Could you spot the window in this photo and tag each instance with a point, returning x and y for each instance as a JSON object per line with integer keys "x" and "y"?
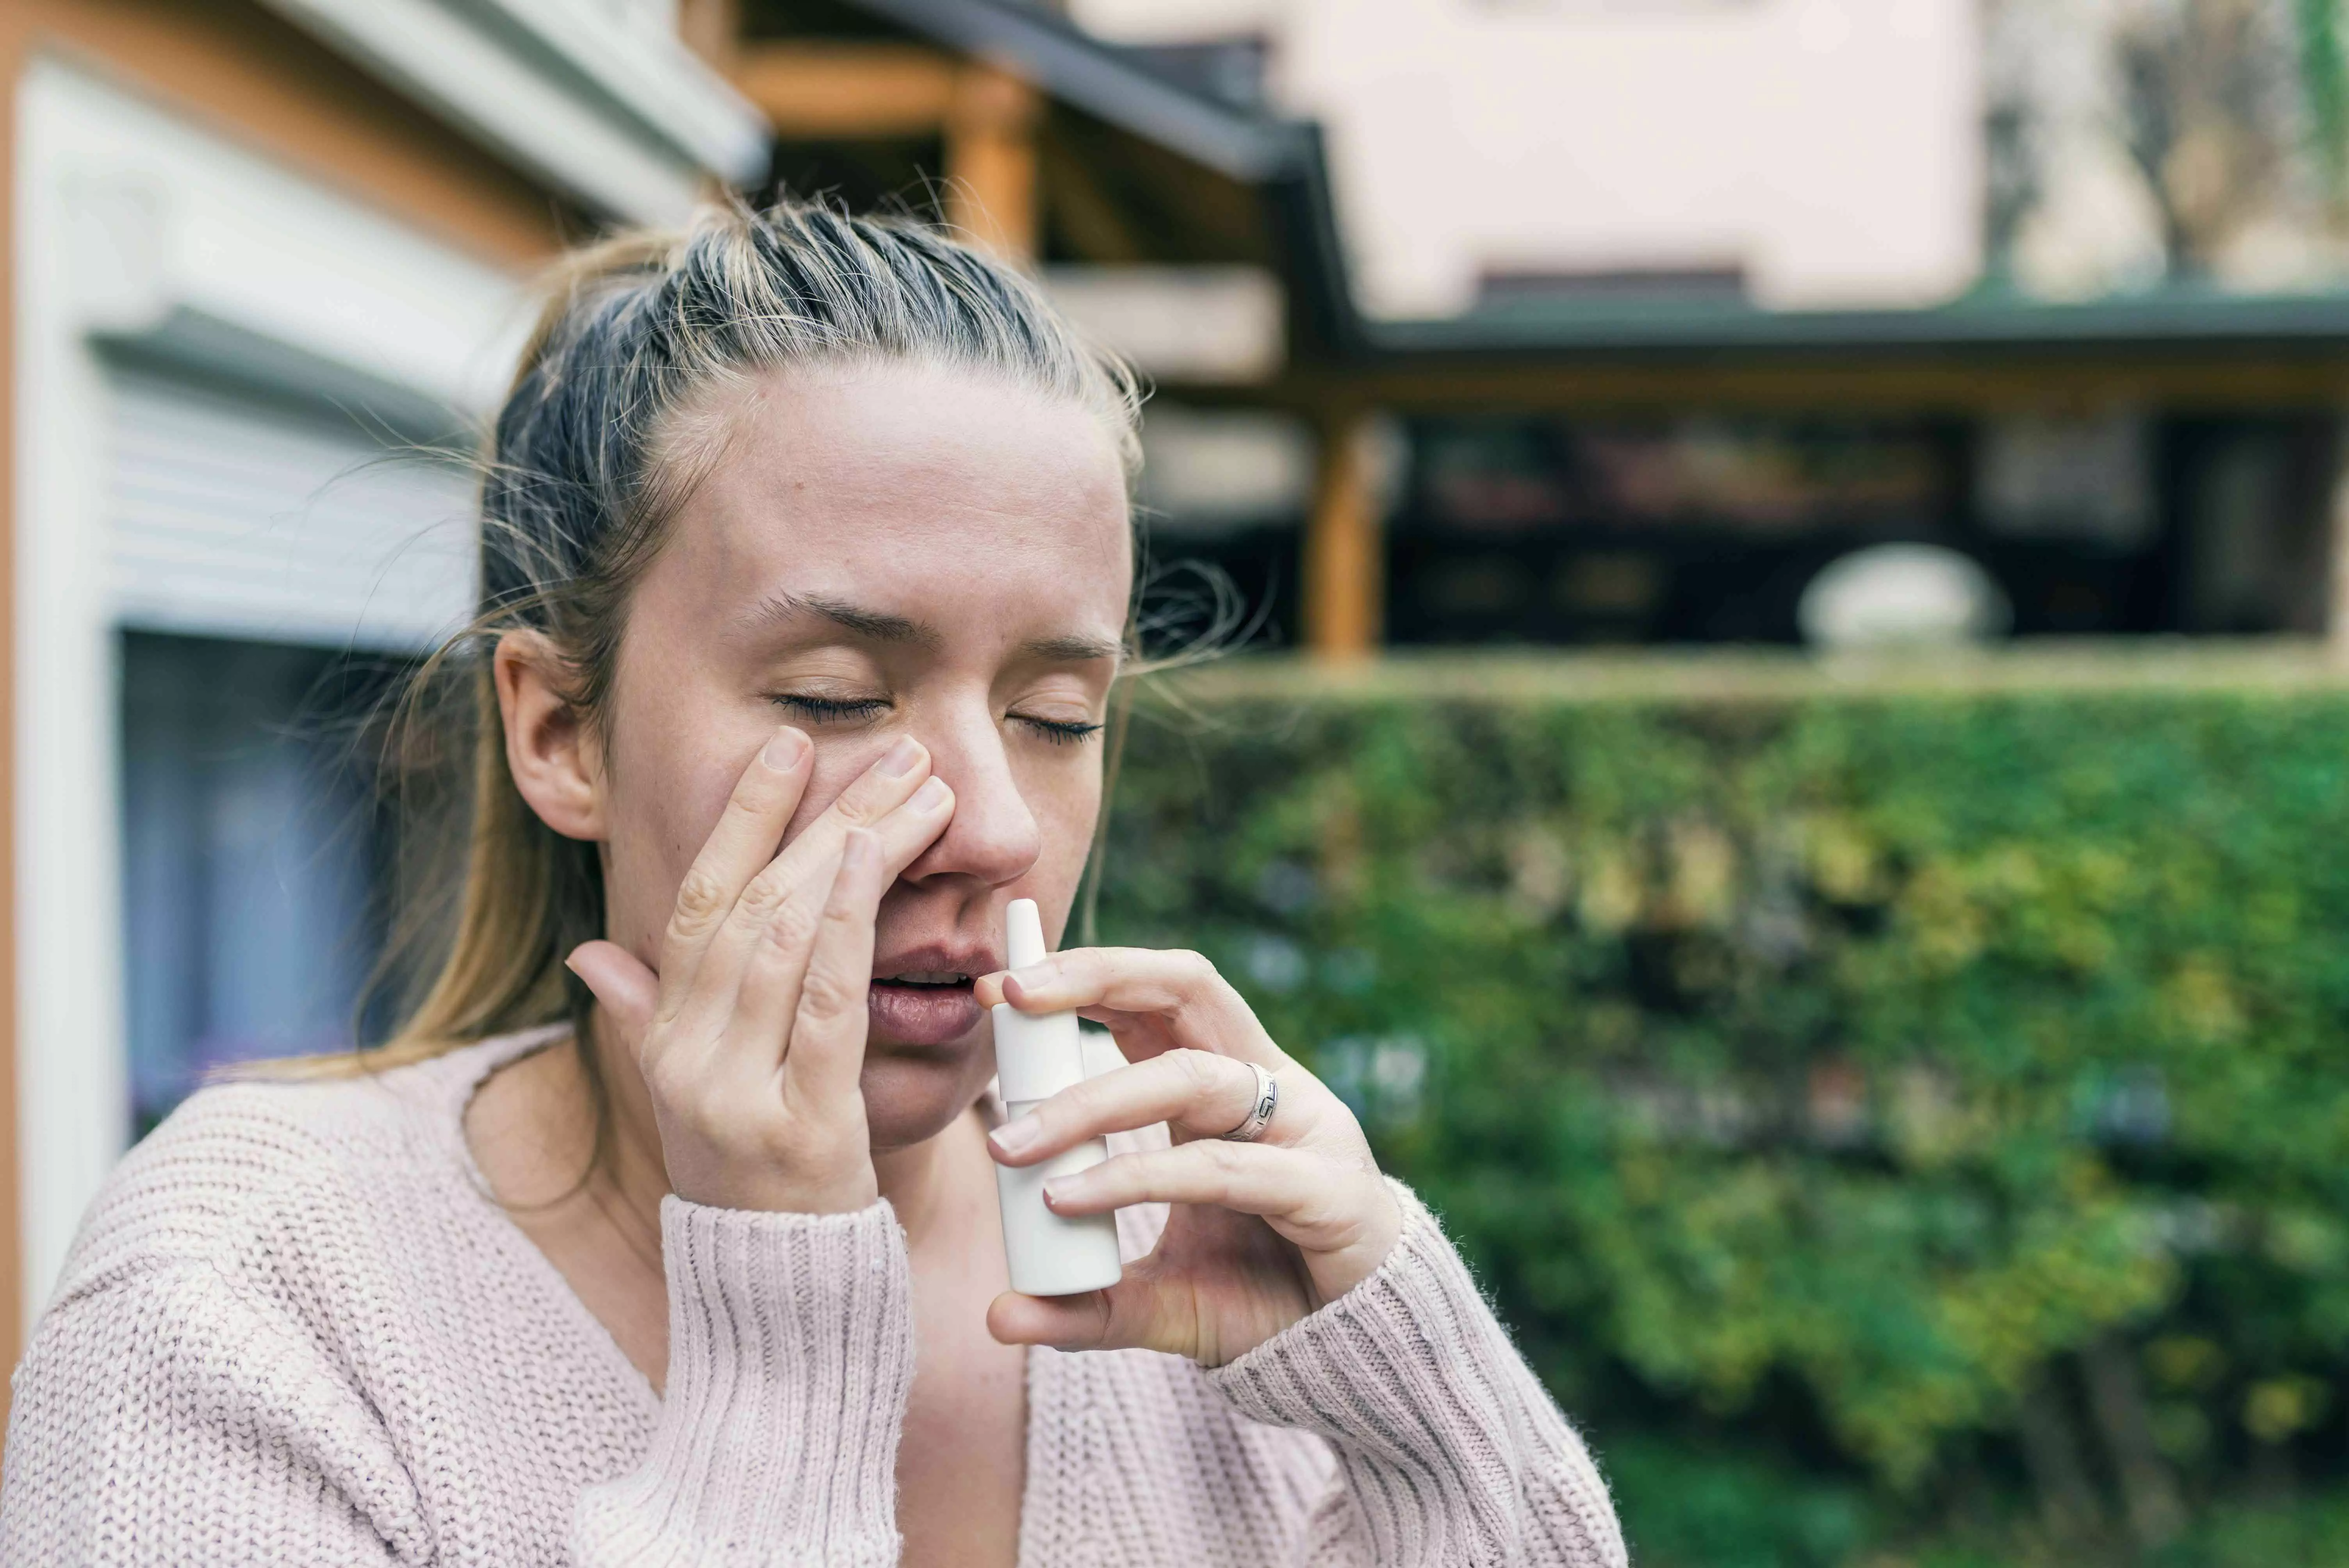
{"x": 250, "y": 855}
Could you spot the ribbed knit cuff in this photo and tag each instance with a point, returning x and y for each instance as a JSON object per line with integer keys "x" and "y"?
{"x": 1375, "y": 1365}
{"x": 791, "y": 1351}
{"x": 1451, "y": 1446}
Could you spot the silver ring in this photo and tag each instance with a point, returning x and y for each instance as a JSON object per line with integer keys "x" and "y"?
{"x": 1268, "y": 1101}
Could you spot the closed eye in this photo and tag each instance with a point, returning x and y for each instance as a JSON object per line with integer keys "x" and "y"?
{"x": 1059, "y": 731}
{"x": 825, "y": 709}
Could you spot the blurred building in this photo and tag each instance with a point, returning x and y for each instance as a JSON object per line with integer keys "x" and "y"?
{"x": 1823, "y": 153}
{"x": 1550, "y": 322}
{"x": 1614, "y": 322}
{"x": 266, "y": 265}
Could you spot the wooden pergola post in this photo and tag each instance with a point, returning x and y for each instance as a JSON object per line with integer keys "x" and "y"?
{"x": 1345, "y": 557}
{"x": 711, "y": 28}
{"x": 990, "y": 160}
{"x": 987, "y": 116}
{"x": 2336, "y": 597}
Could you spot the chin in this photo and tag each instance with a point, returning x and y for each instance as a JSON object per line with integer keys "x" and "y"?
{"x": 912, "y": 1093}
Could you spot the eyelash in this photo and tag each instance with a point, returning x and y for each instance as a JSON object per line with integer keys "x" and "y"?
{"x": 823, "y": 709}
{"x": 1061, "y": 731}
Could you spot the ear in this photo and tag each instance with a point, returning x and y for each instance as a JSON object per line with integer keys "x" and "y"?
{"x": 550, "y": 750}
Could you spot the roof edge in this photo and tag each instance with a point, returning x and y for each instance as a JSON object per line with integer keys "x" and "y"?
{"x": 1088, "y": 74}
{"x": 631, "y": 127}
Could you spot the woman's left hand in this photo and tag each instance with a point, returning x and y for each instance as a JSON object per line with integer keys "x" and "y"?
{"x": 1258, "y": 1234}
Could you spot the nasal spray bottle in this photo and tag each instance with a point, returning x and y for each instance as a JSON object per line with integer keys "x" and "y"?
{"x": 1036, "y": 1057}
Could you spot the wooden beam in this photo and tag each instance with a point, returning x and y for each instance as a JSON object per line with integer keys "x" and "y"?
{"x": 712, "y": 29}
{"x": 818, "y": 90}
{"x": 1345, "y": 557}
{"x": 990, "y": 156}
{"x": 2036, "y": 382}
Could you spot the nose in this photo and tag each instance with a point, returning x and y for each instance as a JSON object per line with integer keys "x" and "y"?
{"x": 994, "y": 837}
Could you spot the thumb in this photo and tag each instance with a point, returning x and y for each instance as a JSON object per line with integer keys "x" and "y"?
{"x": 621, "y": 982}
{"x": 1062, "y": 1322}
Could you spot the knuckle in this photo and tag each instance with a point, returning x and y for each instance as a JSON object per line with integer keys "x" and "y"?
{"x": 827, "y": 994}
{"x": 1194, "y": 970}
{"x": 859, "y": 805}
{"x": 1195, "y": 981}
{"x": 1201, "y": 1072}
{"x": 763, "y": 898}
{"x": 841, "y": 902}
{"x": 789, "y": 927}
{"x": 1225, "y": 1159}
{"x": 700, "y": 902}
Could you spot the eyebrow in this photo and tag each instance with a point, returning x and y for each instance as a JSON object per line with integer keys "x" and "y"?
{"x": 1072, "y": 650}
{"x": 875, "y": 625}
{"x": 881, "y": 626}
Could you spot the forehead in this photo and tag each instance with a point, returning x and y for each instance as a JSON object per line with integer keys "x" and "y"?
{"x": 949, "y": 494}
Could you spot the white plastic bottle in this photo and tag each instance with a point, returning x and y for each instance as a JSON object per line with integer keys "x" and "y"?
{"x": 1036, "y": 1057}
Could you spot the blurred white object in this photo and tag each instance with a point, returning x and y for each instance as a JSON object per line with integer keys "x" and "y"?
{"x": 1179, "y": 324}
{"x": 1206, "y": 469}
{"x": 1902, "y": 596}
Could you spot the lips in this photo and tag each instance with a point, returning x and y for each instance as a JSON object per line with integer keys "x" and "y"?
{"x": 922, "y": 997}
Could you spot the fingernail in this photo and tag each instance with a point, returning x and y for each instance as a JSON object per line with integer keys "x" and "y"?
{"x": 931, "y": 795}
{"x": 862, "y": 848}
{"x": 1017, "y": 1136}
{"x": 1065, "y": 1189}
{"x": 901, "y": 757}
{"x": 784, "y": 752}
{"x": 1036, "y": 976}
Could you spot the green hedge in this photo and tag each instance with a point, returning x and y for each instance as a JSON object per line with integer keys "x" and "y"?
{"x": 1903, "y": 1119}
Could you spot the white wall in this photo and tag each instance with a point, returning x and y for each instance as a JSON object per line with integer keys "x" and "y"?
{"x": 136, "y": 227}
{"x": 1832, "y": 148}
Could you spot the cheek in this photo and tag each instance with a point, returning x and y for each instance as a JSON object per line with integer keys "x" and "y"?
{"x": 675, "y": 768}
{"x": 1064, "y": 794}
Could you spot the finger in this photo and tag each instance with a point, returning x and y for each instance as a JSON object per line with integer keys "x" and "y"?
{"x": 794, "y": 884}
{"x": 744, "y": 839}
{"x": 622, "y": 985}
{"x": 775, "y": 963}
{"x": 1286, "y": 1187}
{"x": 1194, "y": 1092}
{"x": 1064, "y": 1321}
{"x": 1141, "y": 1311}
{"x": 827, "y": 1046}
{"x": 1198, "y": 1004}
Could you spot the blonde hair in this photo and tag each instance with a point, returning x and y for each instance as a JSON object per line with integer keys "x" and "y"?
{"x": 606, "y": 431}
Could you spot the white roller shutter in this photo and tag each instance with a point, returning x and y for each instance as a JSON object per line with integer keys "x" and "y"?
{"x": 236, "y": 516}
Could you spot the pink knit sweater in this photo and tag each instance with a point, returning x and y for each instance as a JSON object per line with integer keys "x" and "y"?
{"x": 296, "y": 1329}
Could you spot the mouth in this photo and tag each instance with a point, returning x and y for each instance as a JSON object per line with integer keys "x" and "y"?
{"x": 925, "y": 998}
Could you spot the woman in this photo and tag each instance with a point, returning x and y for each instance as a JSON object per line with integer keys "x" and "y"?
{"x": 666, "y": 1233}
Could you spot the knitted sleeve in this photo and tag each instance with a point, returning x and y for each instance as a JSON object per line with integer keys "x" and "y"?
{"x": 1449, "y": 1450}
{"x": 790, "y": 1352}
{"x": 162, "y": 1417}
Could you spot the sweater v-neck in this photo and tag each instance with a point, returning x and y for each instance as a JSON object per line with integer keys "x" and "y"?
{"x": 467, "y": 1068}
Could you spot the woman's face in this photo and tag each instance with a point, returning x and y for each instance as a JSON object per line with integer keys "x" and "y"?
{"x": 882, "y": 551}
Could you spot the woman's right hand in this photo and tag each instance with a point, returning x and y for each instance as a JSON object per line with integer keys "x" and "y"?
{"x": 751, "y": 1038}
